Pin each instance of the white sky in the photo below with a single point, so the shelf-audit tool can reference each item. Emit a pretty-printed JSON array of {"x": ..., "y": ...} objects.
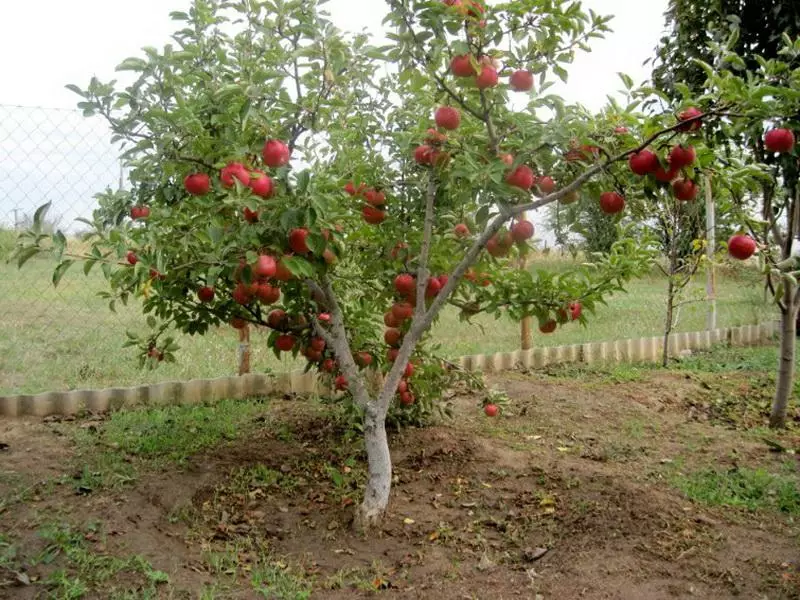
[{"x": 59, "y": 156}]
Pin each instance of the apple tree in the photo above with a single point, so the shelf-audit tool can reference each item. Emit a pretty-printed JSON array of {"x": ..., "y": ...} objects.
[{"x": 342, "y": 193}]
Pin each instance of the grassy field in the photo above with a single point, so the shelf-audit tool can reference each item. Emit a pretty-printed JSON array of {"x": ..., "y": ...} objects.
[{"x": 66, "y": 338}]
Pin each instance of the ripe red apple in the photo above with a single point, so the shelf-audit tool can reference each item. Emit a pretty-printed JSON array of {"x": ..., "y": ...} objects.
[
  {"x": 409, "y": 371},
  {"x": 267, "y": 293},
  {"x": 643, "y": 163},
  {"x": 317, "y": 343},
  {"x": 340, "y": 383},
  {"x": 521, "y": 177},
  {"x": 265, "y": 266},
  {"x": 522, "y": 231},
  {"x": 423, "y": 155},
  {"x": 250, "y": 216},
  {"x": 521, "y": 81},
  {"x": 435, "y": 138},
  {"x": 686, "y": 115},
  {"x": 205, "y": 294},
  {"x": 575, "y": 310},
  {"x": 140, "y": 212},
  {"x": 390, "y": 320},
  {"x": 681, "y": 156},
  {"x": 491, "y": 410},
  {"x": 261, "y": 184},
  {"x": 402, "y": 311},
  {"x": 487, "y": 78},
  {"x": 779, "y": 140},
  {"x": 285, "y": 343},
  {"x": 684, "y": 189},
  {"x": 324, "y": 318},
  {"x": 329, "y": 365},
  {"x": 233, "y": 171},
  {"x": 277, "y": 319},
  {"x": 131, "y": 257},
  {"x": 461, "y": 230},
  {"x": 507, "y": 158},
  {"x": 741, "y": 246},
  {"x": 329, "y": 256},
  {"x": 404, "y": 284},
  {"x": 461, "y": 66},
  {"x": 546, "y": 184},
  {"x": 363, "y": 359},
  {"x": 443, "y": 279},
  {"x": 407, "y": 398},
  {"x": 447, "y": 117},
  {"x": 275, "y": 153},
  {"x": 313, "y": 356},
  {"x": 621, "y": 130},
  {"x": 548, "y": 326},
  {"x": 372, "y": 215},
  {"x": 402, "y": 386},
  {"x": 499, "y": 244},
  {"x": 665, "y": 176},
  {"x": 155, "y": 274},
  {"x": 242, "y": 293},
  {"x": 392, "y": 337},
  {"x": 374, "y": 197},
  {"x": 297, "y": 240},
  {"x": 611, "y": 202},
  {"x": 197, "y": 184},
  {"x": 433, "y": 287},
  {"x": 238, "y": 323}
]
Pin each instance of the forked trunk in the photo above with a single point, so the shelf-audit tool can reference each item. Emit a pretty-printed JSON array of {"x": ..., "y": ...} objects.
[
  {"x": 379, "y": 472},
  {"x": 783, "y": 392}
]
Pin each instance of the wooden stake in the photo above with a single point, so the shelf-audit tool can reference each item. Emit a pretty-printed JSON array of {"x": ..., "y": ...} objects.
[
  {"x": 244, "y": 350},
  {"x": 711, "y": 241},
  {"x": 525, "y": 333}
]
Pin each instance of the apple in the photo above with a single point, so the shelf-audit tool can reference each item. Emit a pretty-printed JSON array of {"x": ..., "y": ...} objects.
[
  {"x": 611, "y": 202},
  {"x": 575, "y": 310},
  {"x": 665, "y": 176},
  {"x": 392, "y": 337},
  {"x": 390, "y": 320},
  {"x": 741, "y": 246},
  {"x": 681, "y": 156},
  {"x": 447, "y": 117},
  {"x": 779, "y": 140},
  {"x": 282, "y": 272},
  {"x": 548, "y": 326},
  {"x": 522, "y": 231},
  {"x": 522, "y": 177},
  {"x": 439, "y": 158},
  {"x": 461, "y": 66},
  {"x": 329, "y": 256},
  {"x": 261, "y": 184},
  {"x": 404, "y": 284},
  {"x": 297, "y": 240},
  {"x": 324, "y": 318},
  {"x": 407, "y": 398},
  {"x": 508, "y": 159},
  {"x": 433, "y": 287},
  {"x": 423, "y": 155},
  {"x": 275, "y": 153},
  {"x": 277, "y": 319},
  {"x": 435, "y": 138},
  {"x": 340, "y": 383},
  {"x": 197, "y": 184},
  {"x": 499, "y": 244},
  {"x": 317, "y": 343},
  {"x": 684, "y": 189},
  {"x": 131, "y": 257},
  {"x": 285, "y": 342},
  {"x": 491, "y": 410},
  {"x": 267, "y": 294},
  {"x": 372, "y": 215},
  {"x": 363, "y": 359},
  {"x": 487, "y": 77},
  {"x": 313, "y": 356},
  {"x": 402, "y": 386},
  {"x": 642, "y": 163},
  {"x": 242, "y": 293},
  {"x": 521, "y": 81},
  {"x": 250, "y": 216},
  {"x": 155, "y": 274},
  {"x": 621, "y": 130},
  {"x": 233, "y": 171},
  {"x": 688, "y": 114},
  {"x": 546, "y": 184},
  {"x": 140, "y": 212},
  {"x": 443, "y": 279},
  {"x": 402, "y": 311},
  {"x": 461, "y": 230},
  {"x": 238, "y": 323},
  {"x": 374, "y": 197},
  {"x": 329, "y": 365},
  {"x": 474, "y": 8},
  {"x": 205, "y": 294},
  {"x": 265, "y": 266},
  {"x": 350, "y": 188},
  {"x": 409, "y": 371}
]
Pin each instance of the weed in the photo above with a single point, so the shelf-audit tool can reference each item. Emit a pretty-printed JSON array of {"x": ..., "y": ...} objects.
[{"x": 276, "y": 581}]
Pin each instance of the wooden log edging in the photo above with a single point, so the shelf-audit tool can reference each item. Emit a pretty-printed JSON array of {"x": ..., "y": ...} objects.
[{"x": 204, "y": 390}]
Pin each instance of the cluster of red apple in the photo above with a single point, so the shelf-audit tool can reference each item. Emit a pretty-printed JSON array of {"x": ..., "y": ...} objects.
[{"x": 374, "y": 209}]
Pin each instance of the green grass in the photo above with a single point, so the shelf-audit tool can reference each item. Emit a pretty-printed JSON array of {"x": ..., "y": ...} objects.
[
  {"x": 66, "y": 338},
  {"x": 752, "y": 489}
]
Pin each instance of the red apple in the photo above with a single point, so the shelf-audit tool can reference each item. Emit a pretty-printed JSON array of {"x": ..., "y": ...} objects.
[
  {"x": 487, "y": 77},
  {"x": 404, "y": 284},
  {"x": 548, "y": 326},
  {"x": 402, "y": 386},
  {"x": 688, "y": 114},
  {"x": 233, "y": 171},
  {"x": 546, "y": 184},
  {"x": 461, "y": 230},
  {"x": 277, "y": 319},
  {"x": 684, "y": 189},
  {"x": 329, "y": 365},
  {"x": 779, "y": 140},
  {"x": 324, "y": 318},
  {"x": 313, "y": 356},
  {"x": 461, "y": 66},
  {"x": 611, "y": 202},
  {"x": 265, "y": 266},
  {"x": 575, "y": 310},
  {"x": 507, "y": 158},
  {"x": 741, "y": 246},
  {"x": 447, "y": 117},
  {"x": 140, "y": 212},
  {"x": 407, "y": 398},
  {"x": 297, "y": 240},
  {"x": 522, "y": 231},
  {"x": 392, "y": 337},
  {"x": 435, "y": 138},
  {"x": 681, "y": 156},
  {"x": 205, "y": 294},
  {"x": 261, "y": 184},
  {"x": 363, "y": 359},
  {"x": 242, "y": 293},
  {"x": 433, "y": 287},
  {"x": 402, "y": 311},
  {"x": 621, "y": 130},
  {"x": 282, "y": 272},
  {"x": 275, "y": 153},
  {"x": 390, "y": 320},
  {"x": 521, "y": 81},
  {"x": 665, "y": 176},
  {"x": 491, "y": 410},
  {"x": 392, "y": 354},
  {"x": 372, "y": 215},
  {"x": 285, "y": 343},
  {"x": 521, "y": 177},
  {"x": 340, "y": 383},
  {"x": 197, "y": 184},
  {"x": 423, "y": 155},
  {"x": 238, "y": 323},
  {"x": 374, "y": 197},
  {"x": 409, "y": 371},
  {"x": 329, "y": 256},
  {"x": 318, "y": 344},
  {"x": 268, "y": 294},
  {"x": 131, "y": 257},
  {"x": 250, "y": 216},
  {"x": 643, "y": 163}
]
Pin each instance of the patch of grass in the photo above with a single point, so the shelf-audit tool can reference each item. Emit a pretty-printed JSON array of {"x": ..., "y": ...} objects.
[
  {"x": 156, "y": 437},
  {"x": 753, "y": 489},
  {"x": 725, "y": 359},
  {"x": 81, "y": 570},
  {"x": 606, "y": 373},
  {"x": 276, "y": 581}
]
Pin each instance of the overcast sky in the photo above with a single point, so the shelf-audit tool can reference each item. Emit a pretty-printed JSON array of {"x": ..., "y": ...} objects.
[{"x": 56, "y": 42}]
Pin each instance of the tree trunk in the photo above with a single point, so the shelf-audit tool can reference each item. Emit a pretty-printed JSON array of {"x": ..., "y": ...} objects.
[
  {"x": 670, "y": 319},
  {"x": 379, "y": 465},
  {"x": 783, "y": 392}
]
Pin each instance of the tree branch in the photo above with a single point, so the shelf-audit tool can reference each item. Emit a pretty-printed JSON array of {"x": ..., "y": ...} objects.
[{"x": 422, "y": 271}]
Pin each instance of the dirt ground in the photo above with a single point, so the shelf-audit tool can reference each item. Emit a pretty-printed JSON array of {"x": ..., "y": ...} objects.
[{"x": 568, "y": 494}]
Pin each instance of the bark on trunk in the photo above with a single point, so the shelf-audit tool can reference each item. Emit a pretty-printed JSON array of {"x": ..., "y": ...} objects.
[
  {"x": 783, "y": 392},
  {"x": 379, "y": 468},
  {"x": 669, "y": 321}
]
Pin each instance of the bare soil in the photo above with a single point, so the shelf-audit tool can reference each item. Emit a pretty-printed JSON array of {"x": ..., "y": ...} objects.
[{"x": 566, "y": 495}]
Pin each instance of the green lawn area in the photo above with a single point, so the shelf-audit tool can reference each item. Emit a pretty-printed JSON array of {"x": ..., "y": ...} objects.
[{"x": 66, "y": 338}]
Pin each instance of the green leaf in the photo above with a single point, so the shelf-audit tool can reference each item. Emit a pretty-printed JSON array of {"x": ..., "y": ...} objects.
[
  {"x": 39, "y": 215},
  {"x": 132, "y": 64},
  {"x": 299, "y": 267},
  {"x": 25, "y": 254},
  {"x": 60, "y": 270}
]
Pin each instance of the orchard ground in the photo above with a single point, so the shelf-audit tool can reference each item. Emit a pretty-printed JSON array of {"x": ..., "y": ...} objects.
[
  {"x": 624, "y": 482},
  {"x": 66, "y": 338}
]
